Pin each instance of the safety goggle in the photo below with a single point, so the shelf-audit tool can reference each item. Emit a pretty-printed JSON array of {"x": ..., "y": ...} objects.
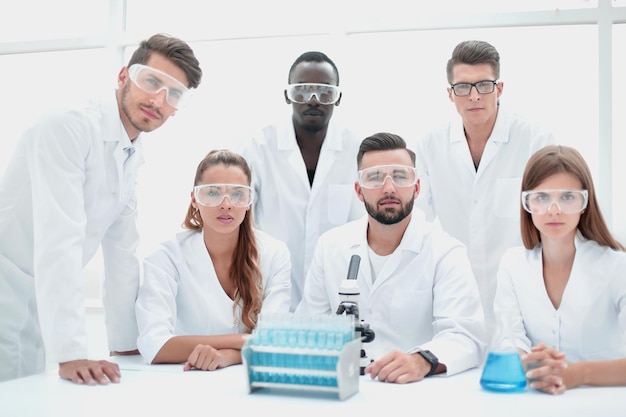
[
  {"x": 567, "y": 201},
  {"x": 152, "y": 81},
  {"x": 303, "y": 93},
  {"x": 400, "y": 175},
  {"x": 212, "y": 195}
]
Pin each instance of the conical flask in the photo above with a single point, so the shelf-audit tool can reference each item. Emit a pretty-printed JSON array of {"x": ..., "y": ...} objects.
[{"x": 503, "y": 370}]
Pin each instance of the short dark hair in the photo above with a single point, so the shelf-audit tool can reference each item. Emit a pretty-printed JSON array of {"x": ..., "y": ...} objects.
[
  {"x": 174, "y": 49},
  {"x": 474, "y": 53},
  {"x": 313, "y": 56},
  {"x": 382, "y": 141}
]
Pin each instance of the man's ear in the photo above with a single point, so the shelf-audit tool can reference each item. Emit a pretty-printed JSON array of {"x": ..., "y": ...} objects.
[
  {"x": 286, "y": 98},
  {"x": 417, "y": 189},
  {"x": 122, "y": 77},
  {"x": 359, "y": 191}
]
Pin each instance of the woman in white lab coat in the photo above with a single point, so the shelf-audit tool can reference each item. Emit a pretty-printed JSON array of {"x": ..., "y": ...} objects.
[
  {"x": 566, "y": 289},
  {"x": 207, "y": 286}
]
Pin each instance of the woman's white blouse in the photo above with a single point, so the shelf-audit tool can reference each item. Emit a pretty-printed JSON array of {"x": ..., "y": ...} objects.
[
  {"x": 590, "y": 323},
  {"x": 181, "y": 294}
]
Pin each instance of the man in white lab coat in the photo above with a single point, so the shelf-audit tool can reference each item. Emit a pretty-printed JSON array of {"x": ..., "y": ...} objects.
[
  {"x": 471, "y": 168},
  {"x": 69, "y": 189},
  {"x": 417, "y": 291},
  {"x": 303, "y": 170}
]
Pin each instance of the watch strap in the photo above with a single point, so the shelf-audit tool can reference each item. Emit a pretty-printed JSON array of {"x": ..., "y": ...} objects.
[{"x": 431, "y": 359}]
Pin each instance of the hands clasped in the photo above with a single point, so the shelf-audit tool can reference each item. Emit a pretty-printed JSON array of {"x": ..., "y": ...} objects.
[{"x": 546, "y": 369}]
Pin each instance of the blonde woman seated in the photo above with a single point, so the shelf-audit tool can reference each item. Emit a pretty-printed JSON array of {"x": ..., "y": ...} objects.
[
  {"x": 208, "y": 285},
  {"x": 568, "y": 285}
]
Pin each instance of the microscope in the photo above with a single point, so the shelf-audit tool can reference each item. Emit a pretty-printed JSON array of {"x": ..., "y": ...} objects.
[{"x": 349, "y": 305}]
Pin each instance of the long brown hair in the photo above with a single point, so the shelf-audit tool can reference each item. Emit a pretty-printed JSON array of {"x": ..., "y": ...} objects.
[
  {"x": 556, "y": 159},
  {"x": 245, "y": 271}
]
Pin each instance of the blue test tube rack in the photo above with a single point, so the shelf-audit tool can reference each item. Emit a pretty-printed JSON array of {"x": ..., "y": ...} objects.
[{"x": 314, "y": 354}]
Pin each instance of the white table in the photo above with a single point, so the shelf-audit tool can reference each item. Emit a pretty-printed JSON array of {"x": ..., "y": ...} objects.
[{"x": 162, "y": 390}]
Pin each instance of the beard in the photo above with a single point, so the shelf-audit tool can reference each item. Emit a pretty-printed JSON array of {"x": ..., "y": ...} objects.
[
  {"x": 390, "y": 216},
  {"x": 312, "y": 127},
  {"x": 142, "y": 127}
]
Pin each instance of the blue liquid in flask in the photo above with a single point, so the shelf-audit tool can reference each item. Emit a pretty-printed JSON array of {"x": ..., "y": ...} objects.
[{"x": 503, "y": 372}]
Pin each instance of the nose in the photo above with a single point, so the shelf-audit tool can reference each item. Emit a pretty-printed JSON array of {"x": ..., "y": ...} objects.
[
  {"x": 226, "y": 205},
  {"x": 554, "y": 204},
  {"x": 474, "y": 94},
  {"x": 159, "y": 97},
  {"x": 388, "y": 186},
  {"x": 314, "y": 103}
]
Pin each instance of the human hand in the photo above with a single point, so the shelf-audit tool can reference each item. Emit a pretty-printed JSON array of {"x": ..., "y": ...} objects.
[
  {"x": 545, "y": 369},
  {"x": 205, "y": 358},
  {"x": 90, "y": 372},
  {"x": 398, "y": 367}
]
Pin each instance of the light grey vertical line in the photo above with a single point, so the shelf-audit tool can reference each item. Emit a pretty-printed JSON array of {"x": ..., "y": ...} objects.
[
  {"x": 117, "y": 32},
  {"x": 605, "y": 109}
]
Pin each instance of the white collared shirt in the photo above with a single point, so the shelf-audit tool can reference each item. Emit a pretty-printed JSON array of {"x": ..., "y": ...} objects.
[
  {"x": 66, "y": 193},
  {"x": 425, "y": 295},
  {"x": 480, "y": 207},
  {"x": 590, "y": 323},
  {"x": 181, "y": 293},
  {"x": 286, "y": 206}
]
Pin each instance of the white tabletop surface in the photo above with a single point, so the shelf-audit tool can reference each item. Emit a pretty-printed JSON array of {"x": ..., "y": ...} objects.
[{"x": 159, "y": 390}]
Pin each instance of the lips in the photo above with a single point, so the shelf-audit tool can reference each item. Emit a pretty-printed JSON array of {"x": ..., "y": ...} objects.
[
  {"x": 313, "y": 112},
  {"x": 388, "y": 202},
  {"x": 151, "y": 114}
]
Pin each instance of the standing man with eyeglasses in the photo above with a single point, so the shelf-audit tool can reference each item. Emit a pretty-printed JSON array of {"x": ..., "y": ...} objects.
[
  {"x": 471, "y": 168},
  {"x": 69, "y": 190},
  {"x": 417, "y": 291},
  {"x": 303, "y": 169}
]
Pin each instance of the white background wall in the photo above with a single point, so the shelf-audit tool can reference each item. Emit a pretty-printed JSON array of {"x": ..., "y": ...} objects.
[{"x": 393, "y": 77}]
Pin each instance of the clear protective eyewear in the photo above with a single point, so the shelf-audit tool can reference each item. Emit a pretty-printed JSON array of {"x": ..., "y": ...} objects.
[
  {"x": 152, "y": 81},
  {"x": 567, "y": 201},
  {"x": 400, "y": 175},
  {"x": 465, "y": 89},
  {"x": 212, "y": 195},
  {"x": 303, "y": 93}
]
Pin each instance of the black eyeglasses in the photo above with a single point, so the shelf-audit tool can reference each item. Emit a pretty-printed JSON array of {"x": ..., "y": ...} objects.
[{"x": 483, "y": 87}]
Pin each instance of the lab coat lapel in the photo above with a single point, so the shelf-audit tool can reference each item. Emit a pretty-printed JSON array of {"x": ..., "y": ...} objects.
[
  {"x": 410, "y": 246},
  {"x": 287, "y": 143},
  {"x": 499, "y": 135},
  {"x": 328, "y": 154},
  {"x": 118, "y": 156},
  {"x": 458, "y": 145}
]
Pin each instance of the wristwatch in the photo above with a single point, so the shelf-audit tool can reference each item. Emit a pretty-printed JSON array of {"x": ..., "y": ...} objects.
[{"x": 431, "y": 359}]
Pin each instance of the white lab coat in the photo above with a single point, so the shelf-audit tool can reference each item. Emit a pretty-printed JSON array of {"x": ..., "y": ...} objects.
[
  {"x": 290, "y": 209},
  {"x": 590, "y": 323},
  {"x": 480, "y": 207},
  {"x": 66, "y": 192},
  {"x": 424, "y": 297},
  {"x": 181, "y": 294}
]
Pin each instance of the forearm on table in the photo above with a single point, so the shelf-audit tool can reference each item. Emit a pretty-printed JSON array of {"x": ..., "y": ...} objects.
[
  {"x": 597, "y": 373},
  {"x": 178, "y": 348}
]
